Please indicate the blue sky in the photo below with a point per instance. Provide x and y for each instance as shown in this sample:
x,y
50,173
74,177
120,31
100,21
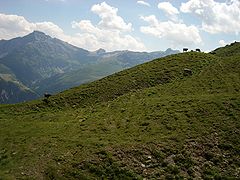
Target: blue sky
x,y
147,25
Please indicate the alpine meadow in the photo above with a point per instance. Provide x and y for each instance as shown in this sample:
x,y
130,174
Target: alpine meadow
x,y
151,121
120,90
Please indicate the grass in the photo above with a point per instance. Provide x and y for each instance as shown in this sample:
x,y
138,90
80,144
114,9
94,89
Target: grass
x,y
229,50
157,72
150,122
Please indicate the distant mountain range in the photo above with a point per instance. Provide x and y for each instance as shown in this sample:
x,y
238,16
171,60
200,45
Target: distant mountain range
x,y
37,63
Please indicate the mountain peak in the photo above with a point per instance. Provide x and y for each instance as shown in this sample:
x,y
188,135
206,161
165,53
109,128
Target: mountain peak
x,y
38,32
37,36
171,51
101,51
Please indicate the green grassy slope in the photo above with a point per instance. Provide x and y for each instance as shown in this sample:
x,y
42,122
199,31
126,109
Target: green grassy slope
x,y
150,121
229,50
160,71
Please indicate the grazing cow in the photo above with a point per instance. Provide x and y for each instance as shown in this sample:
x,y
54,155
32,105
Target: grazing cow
x,y
47,95
185,49
198,50
187,72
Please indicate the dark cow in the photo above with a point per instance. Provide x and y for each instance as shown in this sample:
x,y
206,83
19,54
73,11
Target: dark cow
x,y
47,95
185,49
198,50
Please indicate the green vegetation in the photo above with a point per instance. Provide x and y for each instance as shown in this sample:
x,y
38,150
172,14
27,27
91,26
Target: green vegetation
x,y
151,121
232,49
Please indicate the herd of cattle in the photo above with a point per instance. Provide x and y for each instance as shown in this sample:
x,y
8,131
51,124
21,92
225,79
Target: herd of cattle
x,y
186,50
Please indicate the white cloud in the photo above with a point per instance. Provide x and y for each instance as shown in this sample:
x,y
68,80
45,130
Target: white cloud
x,y
109,17
95,37
12,26
177,33
91,37
217,17
222,43
50,29
109,33
169,10
143,3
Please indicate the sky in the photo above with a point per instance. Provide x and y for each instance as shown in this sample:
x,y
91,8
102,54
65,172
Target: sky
x,y
137,25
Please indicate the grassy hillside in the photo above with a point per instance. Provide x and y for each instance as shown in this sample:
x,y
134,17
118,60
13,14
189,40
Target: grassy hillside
x,y
229,50
107,63
160,71
151,121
